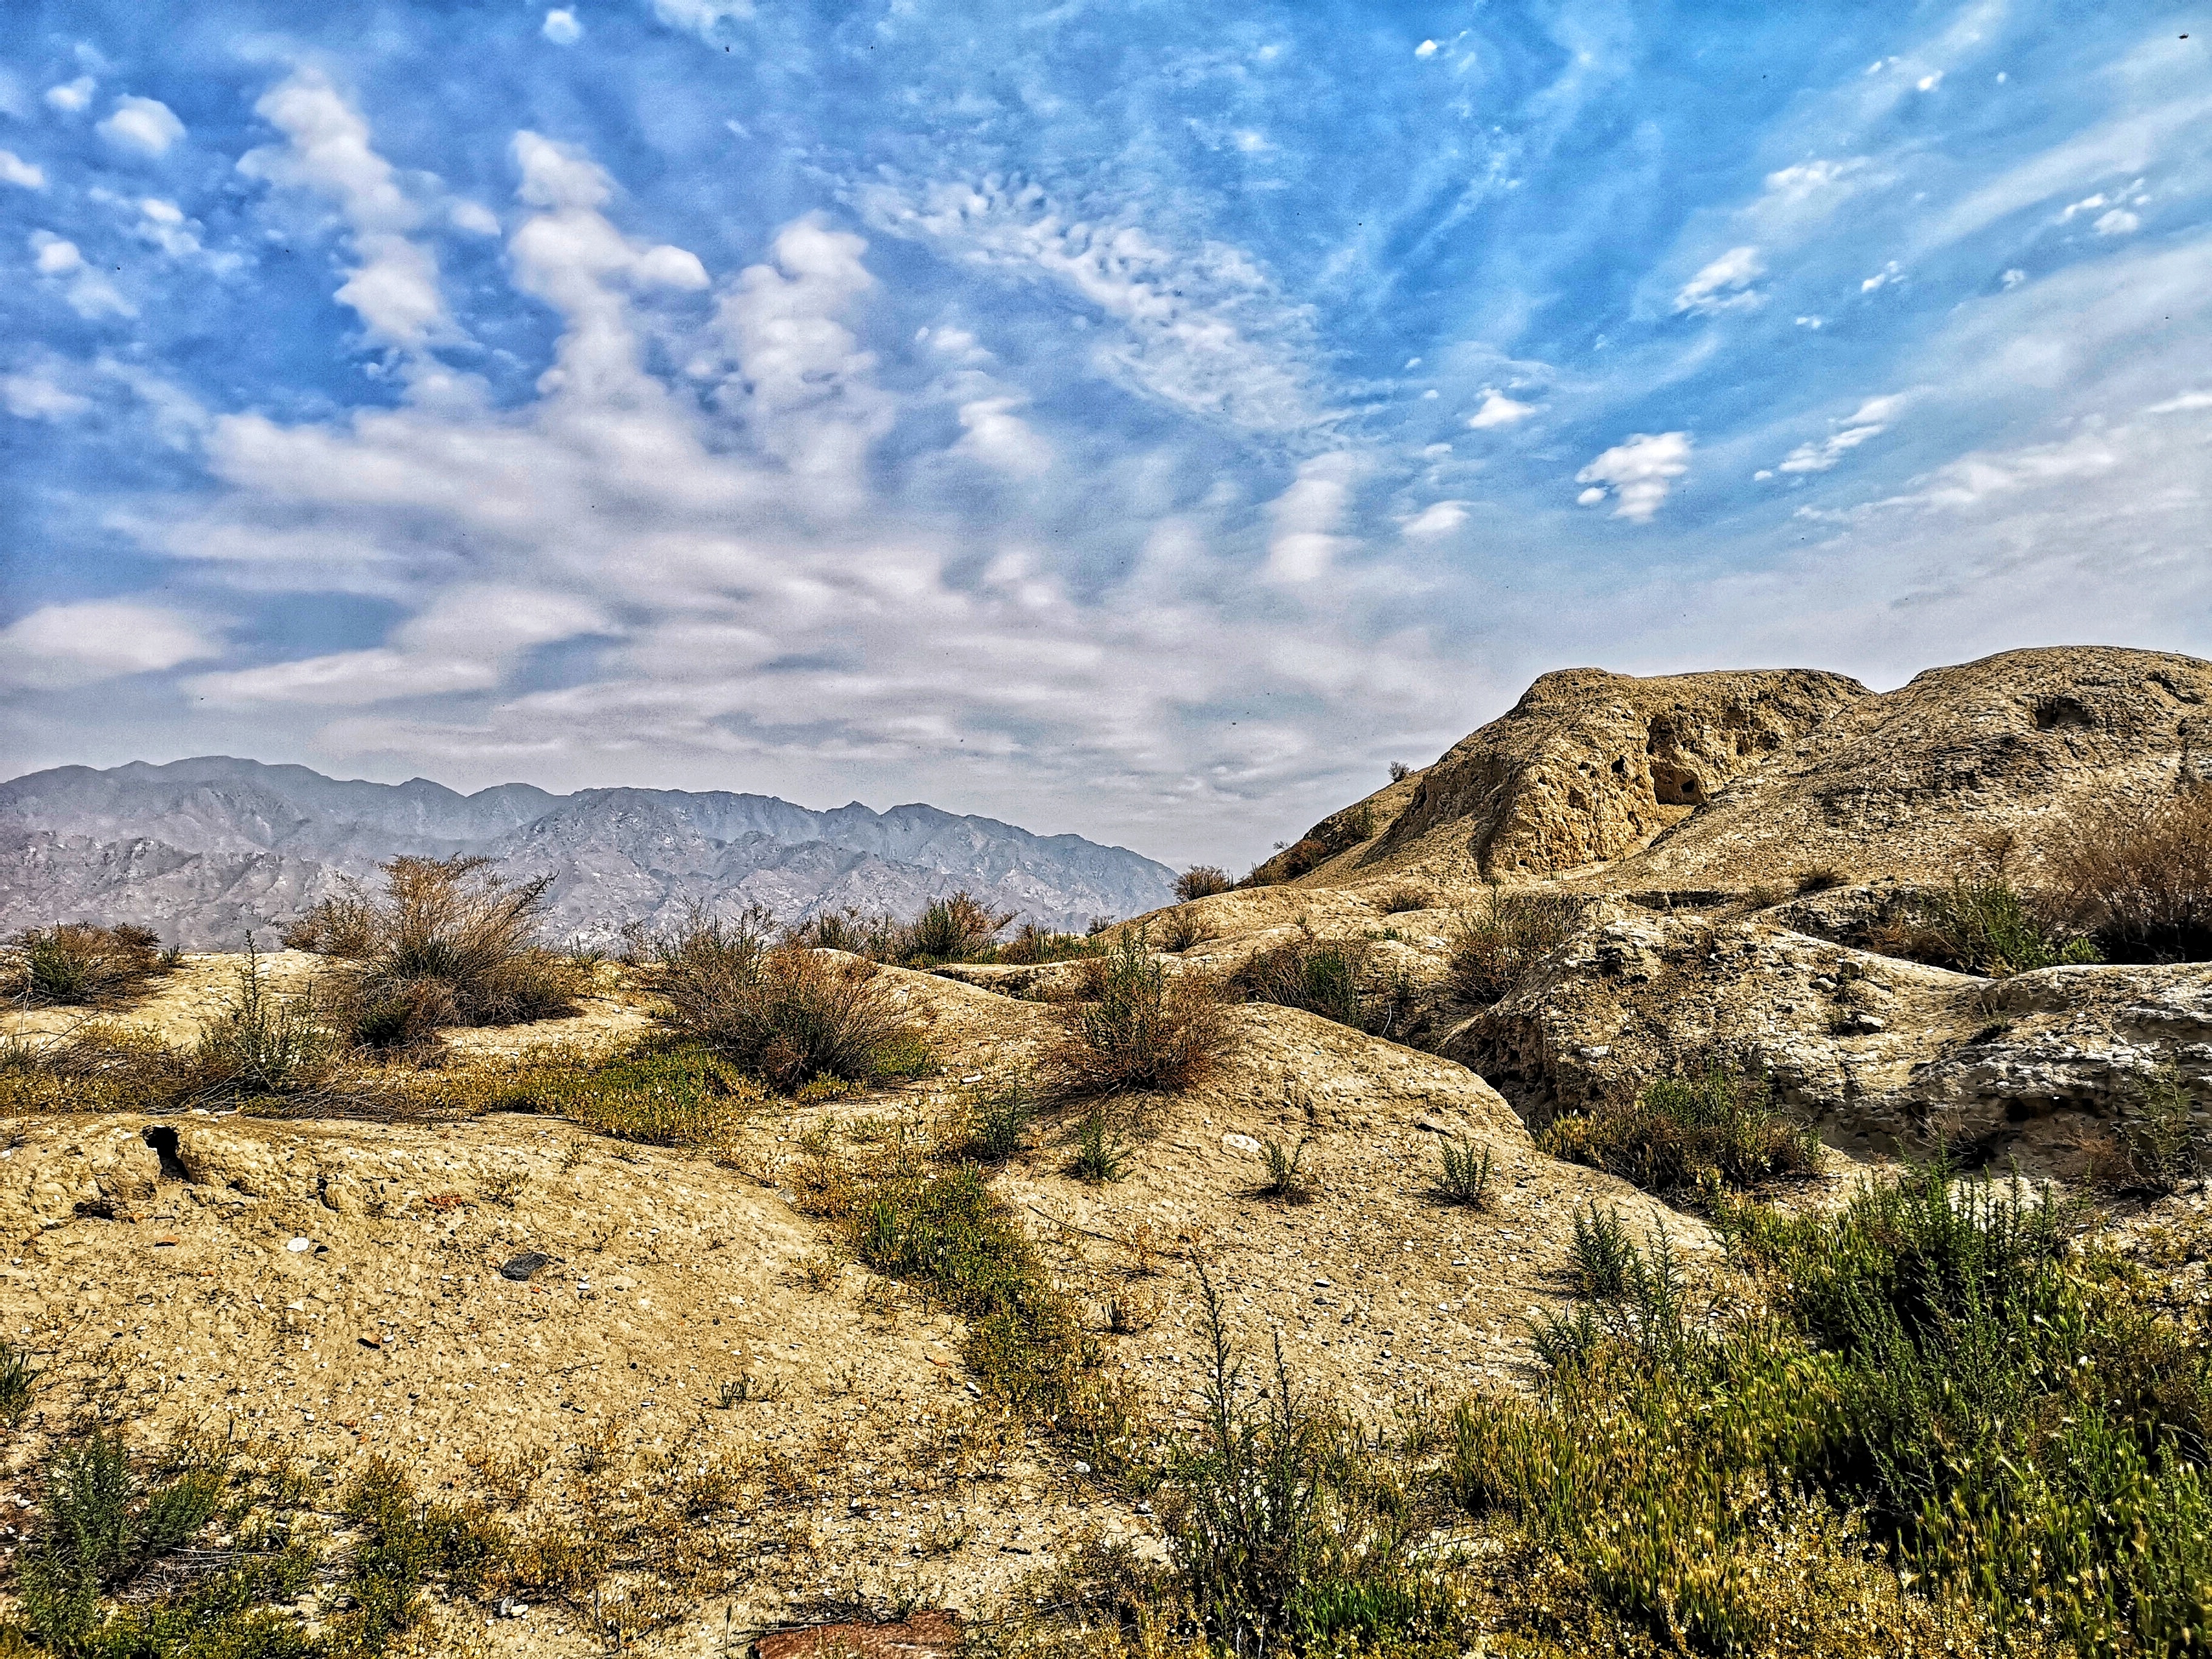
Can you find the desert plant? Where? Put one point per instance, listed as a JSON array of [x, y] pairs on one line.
[[1180, 929], [1820, 877], [1286, 1175], [1466, 1173], [2159, 1137], [785, 1013], [450, 943], [79, 964], [1503, 936], [1034, 944], [2138, 876], [1322, 976], [1099, 1155], [1000, 1114], [1396, 901], [1399, 771], [877, 935], [1202, 881], [1718, 1121], [18, 1380], [952, 929], [1982, 926], [261, 1043], [1133, 1026]]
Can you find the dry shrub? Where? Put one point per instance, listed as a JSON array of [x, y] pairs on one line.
[[953, 929], [786, 1013], [1503, 936], [1396, 901], [79, 964], [2138, 878], [1133, 1027], [1180, 929], [451, 942], [1202, 881]]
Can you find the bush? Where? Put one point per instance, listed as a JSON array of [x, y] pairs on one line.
[[1466, 1174], [450, 943], [786, 1013], [1000, 1114], [2138, 878], [1396, 901], [1099, 1156], [261, 1045], [1286, 1175], [955, 929], [1984, 927], [1717, 1124], [1181, 929], [1033, 943], [880, 937], [1202, 881], [2161, 1144], [1321, 977], [1399, 771], [1133, 1027], [1501, 938], [78, 964]]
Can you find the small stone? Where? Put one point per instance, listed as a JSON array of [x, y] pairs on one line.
[[520, 1268], [1237, 1142], [301, 1246]]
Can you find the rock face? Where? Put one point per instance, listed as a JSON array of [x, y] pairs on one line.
[[1881, 1055], [1590, 766], [203, 850]]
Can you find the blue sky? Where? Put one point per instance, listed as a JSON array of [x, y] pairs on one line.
[[1146, 420]]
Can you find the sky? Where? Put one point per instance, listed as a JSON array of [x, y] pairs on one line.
[[1143, 420]]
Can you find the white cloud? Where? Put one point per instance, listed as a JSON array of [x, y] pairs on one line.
[[163, 224], [701, 16], [60, 646], [1811, 322], [2185, 401], [1438, 519], [1870, 420], [1929, 83], [563, 29], [1889, 273], [394, 288], [1639, 474], [2117, 223], [54, 256], [465, 642], [145, 124], [2014, 277], [472, 216], [1724, 285], [2086, 204], [1426, 49], [1806, 179], [36, 398], [72, 97], [14, 170], [1307, 516], [89, 294], [995, 436], [1499, 409]]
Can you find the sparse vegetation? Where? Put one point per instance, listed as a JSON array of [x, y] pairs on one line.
[[1985, 926], [1202, 881], [1287, 1177], [1403, 897], [786, 1013], [1718, 1122], [2161, 1144], [450, 943], [1181, 928], [77, 964], [2137, 877], [1099, 1154], [1000, 1114], [1399, 771], [1133, 1026], [955, 929], [1334, 978], [1465, 1173], [1503, 936]]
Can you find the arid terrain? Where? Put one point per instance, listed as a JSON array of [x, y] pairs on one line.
[[687, 1349]]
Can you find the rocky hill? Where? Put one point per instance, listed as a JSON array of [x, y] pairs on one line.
[[203, 849]]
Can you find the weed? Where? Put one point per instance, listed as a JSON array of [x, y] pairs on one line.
[[1202, 881], [1032, 944], [1720, 1120], [1099, 1154], [1181, 929], [785, 1012], [1135, 1027], [1983, 926], [1324, 977], [2138, 877], [80, 964], [1399, 900], [1501, 938], [505, 1187], [1466, 1174], [1287, 1176], [2159, 1141], [1820, 877], [1000, 1114]]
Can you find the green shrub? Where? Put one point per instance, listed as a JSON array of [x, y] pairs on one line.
[[262, 1044], [1180, 929], [1202, 881], [79, 964], [18, 1380], [784, 1012], [1983, 926], [1466, 1173], [955, 929], [1286, 1175], [1099, 1155], [1132, 1026], [1717, 1124], [1032, 944], [1323, 977], [1000, 1114], [2160, 1144], [1500, 940]]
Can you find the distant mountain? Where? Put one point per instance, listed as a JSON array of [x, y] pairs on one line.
[[201, 850]]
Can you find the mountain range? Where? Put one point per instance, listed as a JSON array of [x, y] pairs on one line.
[[206, 849]]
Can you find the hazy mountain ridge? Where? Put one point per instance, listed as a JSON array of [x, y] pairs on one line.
[[203, 849]]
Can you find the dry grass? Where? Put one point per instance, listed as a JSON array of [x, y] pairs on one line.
[[81, 965], [1397, 901], [449, 943], [1718, 1122], [2138, 877], [786, 1013], [1133, 1027], [1503, 936], [1202, 881]]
